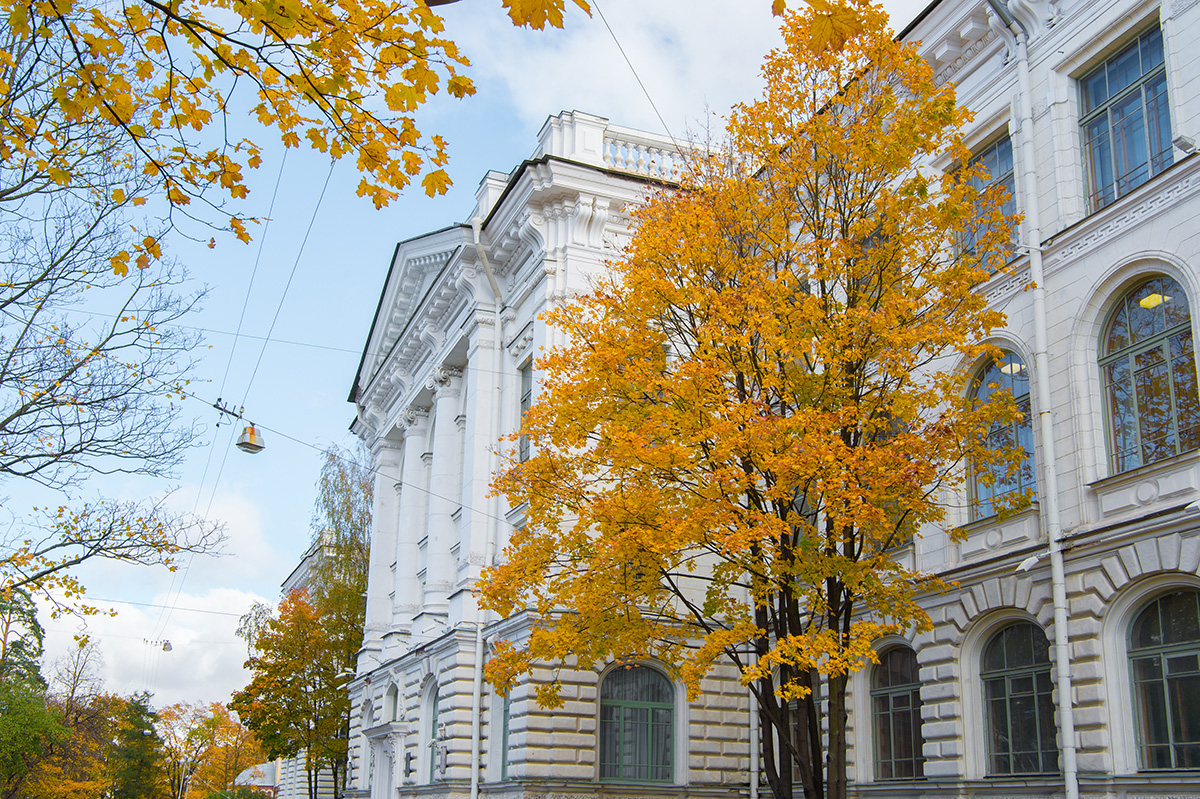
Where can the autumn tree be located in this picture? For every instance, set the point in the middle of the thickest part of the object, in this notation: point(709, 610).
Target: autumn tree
point(76, 765)
point(296, 702)
point(205, 746)
point(233, 749)
point(763, 399)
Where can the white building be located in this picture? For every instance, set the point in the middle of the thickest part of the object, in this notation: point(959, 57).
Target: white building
point(446, 372)
point(1089, 112)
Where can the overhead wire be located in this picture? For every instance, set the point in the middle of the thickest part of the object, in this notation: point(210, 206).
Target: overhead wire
point(179, 577)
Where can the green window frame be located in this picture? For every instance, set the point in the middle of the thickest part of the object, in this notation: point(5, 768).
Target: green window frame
point(1018, 702)
point(1164, 658)
point(1126, 122)
point(637, 726)
point(896, 703)
point(1149, 375)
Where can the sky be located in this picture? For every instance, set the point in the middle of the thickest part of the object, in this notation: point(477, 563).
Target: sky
point(310, 282)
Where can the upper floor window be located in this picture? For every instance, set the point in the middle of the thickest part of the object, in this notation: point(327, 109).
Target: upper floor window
point(1150, 376)
point(637, 720)
point(996, 486)
point(1019, 708)
point(1126, 123)
point(896, 701)
point(1164, 652)
point(997, 161)
point(526, 373)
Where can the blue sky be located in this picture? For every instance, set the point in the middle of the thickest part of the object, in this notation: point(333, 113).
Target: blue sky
point(695, 57)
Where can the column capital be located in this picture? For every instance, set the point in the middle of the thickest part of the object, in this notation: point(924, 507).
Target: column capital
point(445, 381)
point(415, 418)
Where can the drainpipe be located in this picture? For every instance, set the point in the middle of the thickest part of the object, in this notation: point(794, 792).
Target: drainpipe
point(1041, 359)
point(493, 502)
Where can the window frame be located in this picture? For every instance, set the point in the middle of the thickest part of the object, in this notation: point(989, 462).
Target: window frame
point(1160, 651)
point(913, 691)
point(1128, 353)
point(524, 403)
point(1008, 674)
point(1022, 401)
point(1008, 178)
point(1120, 185)
point(672, 743)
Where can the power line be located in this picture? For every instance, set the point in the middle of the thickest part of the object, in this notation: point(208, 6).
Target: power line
point(172, 607)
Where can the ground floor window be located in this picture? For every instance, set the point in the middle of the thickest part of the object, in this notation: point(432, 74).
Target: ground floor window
point(637, 723)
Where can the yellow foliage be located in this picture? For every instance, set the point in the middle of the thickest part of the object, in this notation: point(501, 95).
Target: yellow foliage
point(764, 399)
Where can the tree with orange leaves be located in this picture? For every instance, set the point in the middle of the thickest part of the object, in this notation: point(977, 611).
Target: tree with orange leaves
point(764, 400)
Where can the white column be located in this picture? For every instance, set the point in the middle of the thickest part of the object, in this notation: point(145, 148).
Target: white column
point(444, 501)
point(413, 495)
point(384, 521)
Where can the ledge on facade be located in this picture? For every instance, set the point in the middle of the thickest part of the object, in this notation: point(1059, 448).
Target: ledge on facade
point(570, 789)
point(999, 535)
point(1033, 787)
point(1156, 486)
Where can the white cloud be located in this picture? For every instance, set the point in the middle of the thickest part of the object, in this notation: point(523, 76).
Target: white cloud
point(205, 660)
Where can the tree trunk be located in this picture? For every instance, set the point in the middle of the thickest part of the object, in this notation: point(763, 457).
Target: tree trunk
point(837, 738)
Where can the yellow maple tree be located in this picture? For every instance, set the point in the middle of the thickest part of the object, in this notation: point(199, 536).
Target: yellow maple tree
point(764, 400)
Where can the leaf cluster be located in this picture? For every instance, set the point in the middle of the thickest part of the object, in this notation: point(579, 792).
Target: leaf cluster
point(765, 398)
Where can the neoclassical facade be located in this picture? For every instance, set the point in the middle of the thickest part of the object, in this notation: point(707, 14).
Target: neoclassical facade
point(1066, 662)
point(446, 372)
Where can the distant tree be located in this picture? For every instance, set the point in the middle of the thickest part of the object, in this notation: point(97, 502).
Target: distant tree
point(28, 727)
point(296, 704)
point(765, 400)
point(317, 633)
point(76, 766)
point(234, 749)
point(138, 761)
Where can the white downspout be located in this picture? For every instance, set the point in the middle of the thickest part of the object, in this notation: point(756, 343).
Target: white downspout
point(493, 504)
point(1049, 496)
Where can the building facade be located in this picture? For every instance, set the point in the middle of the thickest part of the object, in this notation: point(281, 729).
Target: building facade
point(446, 372)
point(1067, 661)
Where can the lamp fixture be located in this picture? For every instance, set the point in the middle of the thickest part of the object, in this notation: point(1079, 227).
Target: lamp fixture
point(1153, 300)
point(251, 440)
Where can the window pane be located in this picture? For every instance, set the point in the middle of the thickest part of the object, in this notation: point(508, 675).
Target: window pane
point(1126, 129)
point(636, 730)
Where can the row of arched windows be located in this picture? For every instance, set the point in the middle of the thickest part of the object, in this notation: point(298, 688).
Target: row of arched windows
point(1019, 715)
point(1148, 372)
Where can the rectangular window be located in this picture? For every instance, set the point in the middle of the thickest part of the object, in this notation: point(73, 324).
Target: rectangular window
point(506, 714)
point(997, 160)
point(526, 372)
point(1126, 126)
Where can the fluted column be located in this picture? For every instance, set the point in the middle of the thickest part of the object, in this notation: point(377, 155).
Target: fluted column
point(384, 524)
point(443, 489)
point(407, 601)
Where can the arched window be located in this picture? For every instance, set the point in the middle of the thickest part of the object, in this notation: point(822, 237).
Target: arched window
point(1020, 712)
point(1164, 652)
point(392, 703)
point(637, 720)
point(434, 735)
point(1150, 376)
point(992, 486)
point(896, 698)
